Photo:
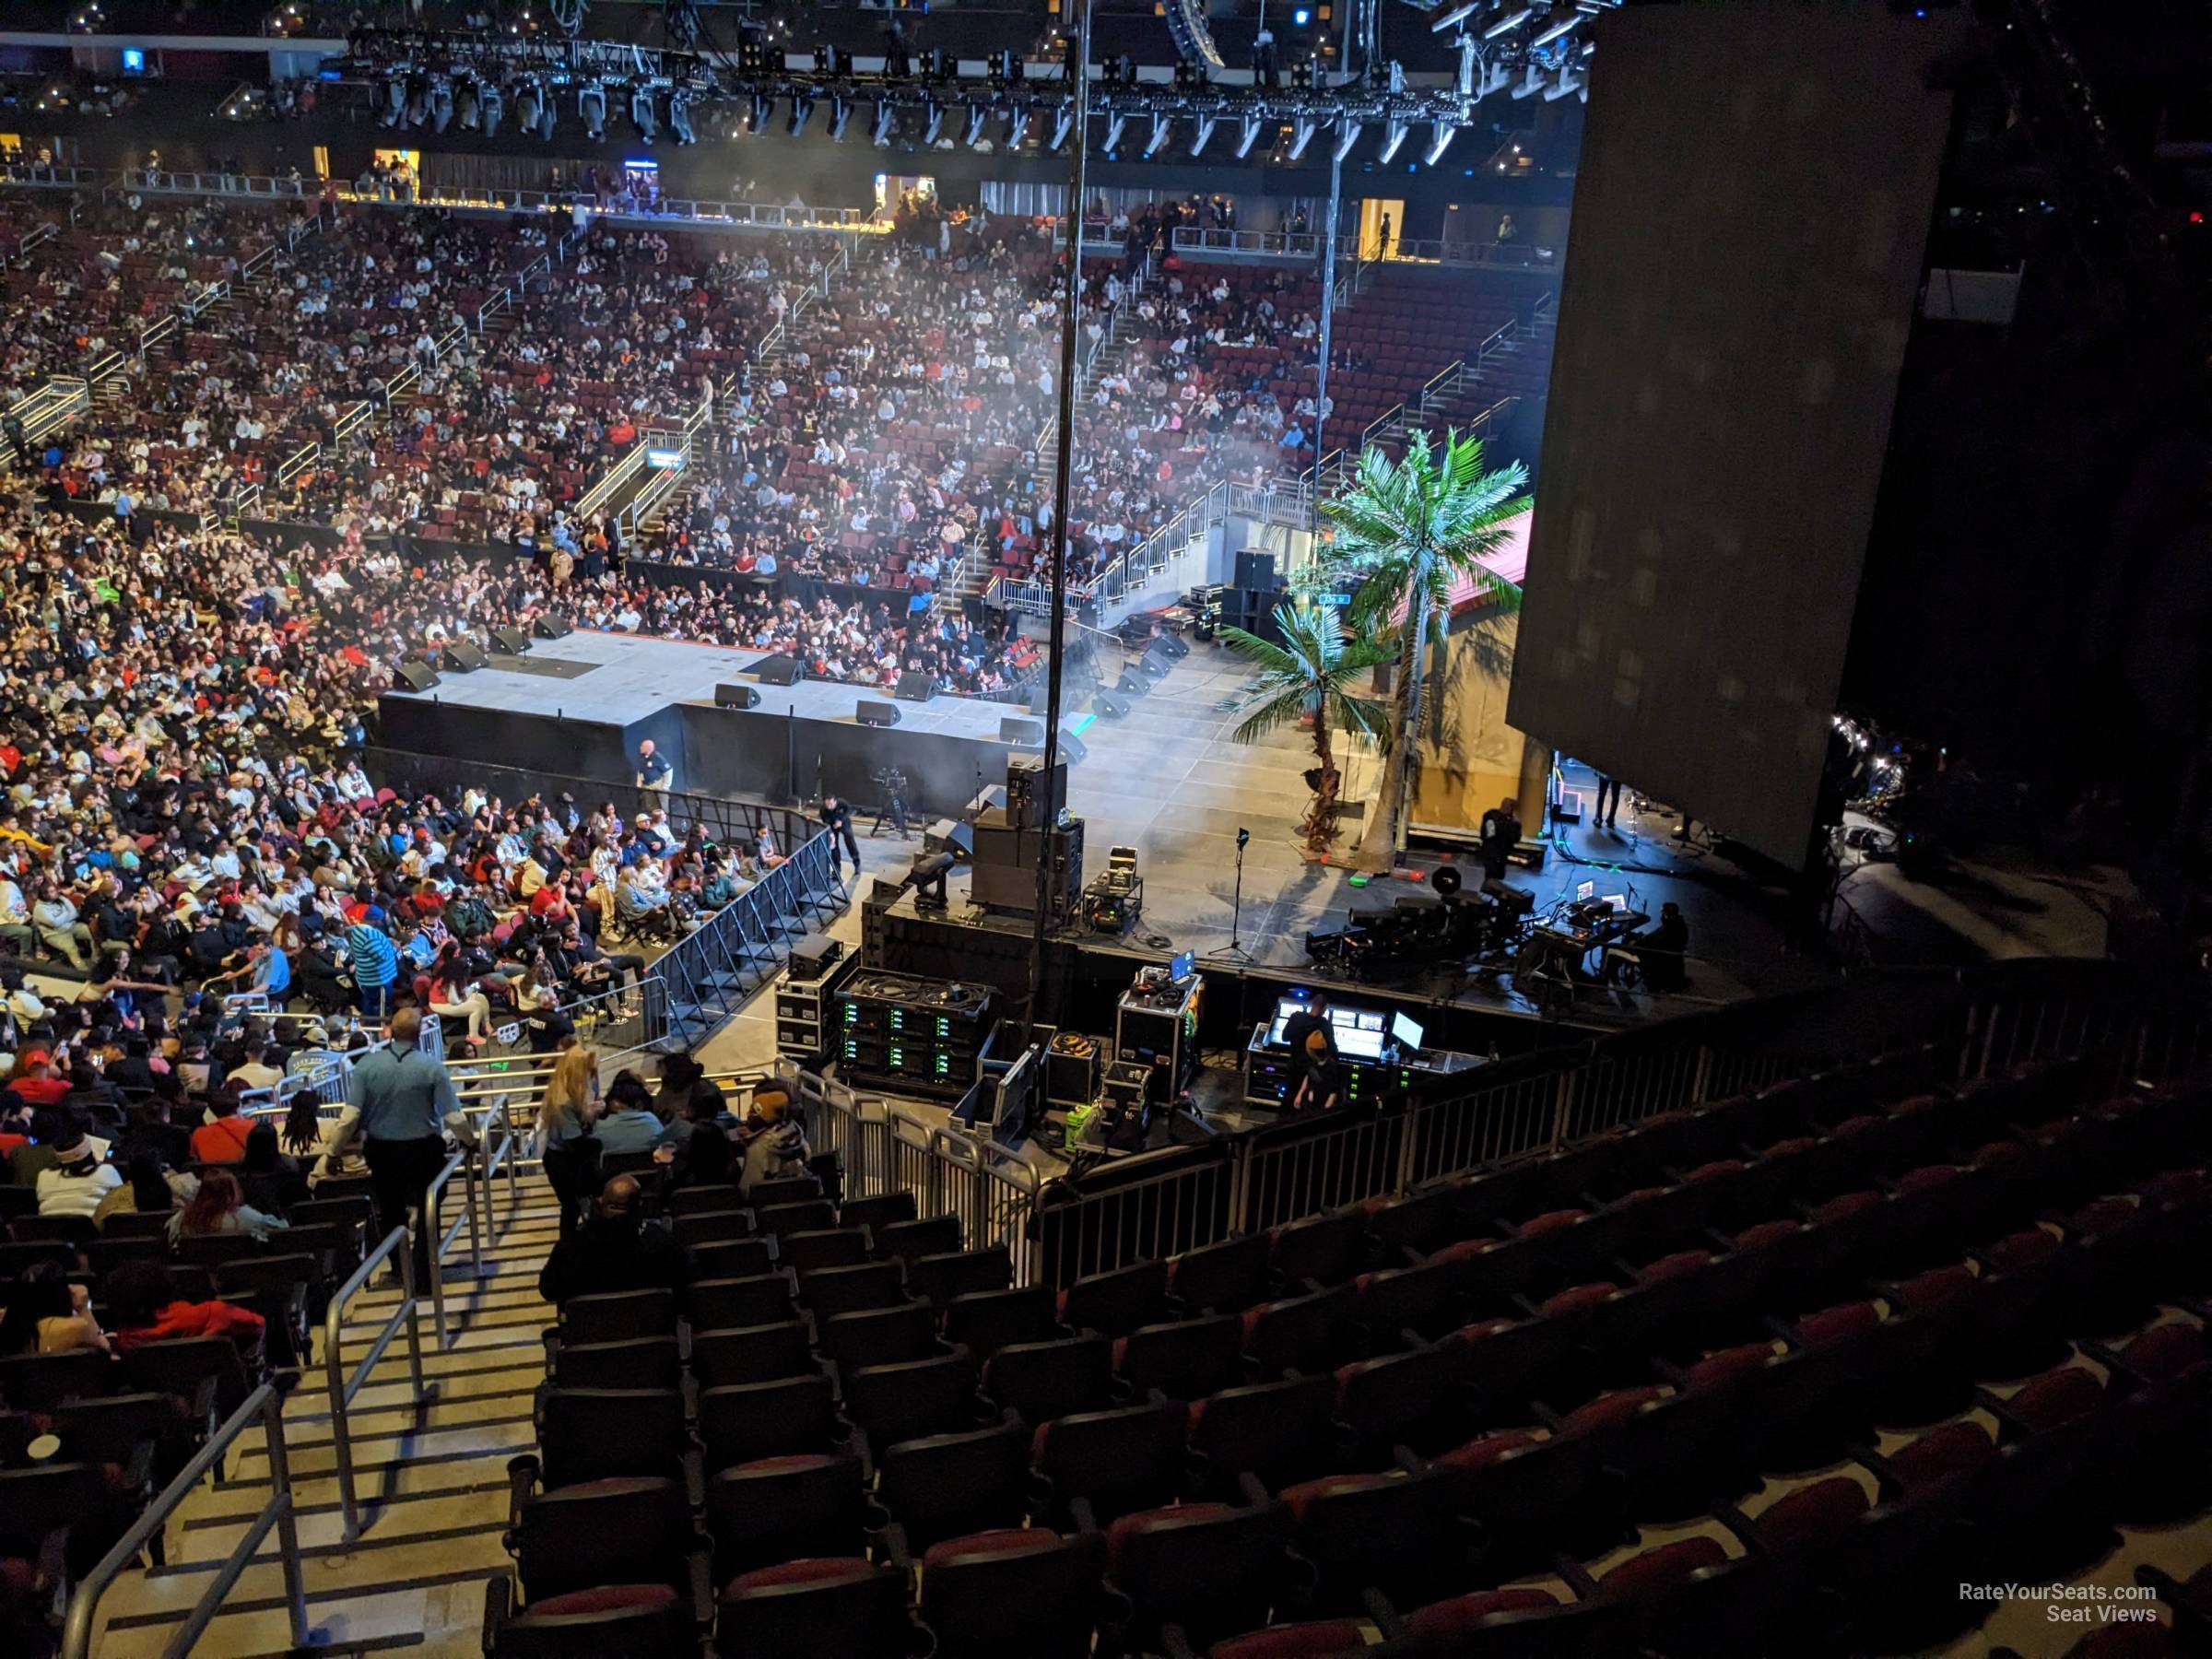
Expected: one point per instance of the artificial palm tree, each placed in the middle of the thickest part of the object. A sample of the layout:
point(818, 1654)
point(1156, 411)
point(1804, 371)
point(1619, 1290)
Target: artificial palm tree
point(1310, 675)
point(1407, 532)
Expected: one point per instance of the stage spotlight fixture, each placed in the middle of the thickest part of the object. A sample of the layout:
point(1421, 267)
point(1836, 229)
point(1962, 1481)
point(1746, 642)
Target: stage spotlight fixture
point(395, 100)
point(1393, 135)
point(469, 108)
point(1248, 134)
point(795, 122)
point(1507, 24)
point(491, 104)
point(1530, 84)
point(526, 99)
point(1440, 140)
point(880, 129)
point(933, 121)
point(1452, 18)
point(1555, 31)
point(1116, 125)
point(840, 111)
point(679, 118)
point(1163, 124)
point(1566, 86)
point(1348, 135)
point(1301, 134)
point(1301, 16)
point(1200, 138)
point(1018, 126)
point(591, 109)
point(763, 110)
point(974, 129)
point(1064, 128)
point(442, 106)
point(642, 115)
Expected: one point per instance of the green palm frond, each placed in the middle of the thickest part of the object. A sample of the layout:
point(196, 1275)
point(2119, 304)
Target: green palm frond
point(1311, 671)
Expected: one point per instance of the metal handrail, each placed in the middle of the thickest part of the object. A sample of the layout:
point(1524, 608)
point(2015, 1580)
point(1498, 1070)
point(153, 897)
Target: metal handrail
point(264, 1405)
point(1283, 244)
point(342, 1388)
point(430, 1218)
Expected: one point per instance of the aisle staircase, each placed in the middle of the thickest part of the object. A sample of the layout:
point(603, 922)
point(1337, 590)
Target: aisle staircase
point(431, 1478)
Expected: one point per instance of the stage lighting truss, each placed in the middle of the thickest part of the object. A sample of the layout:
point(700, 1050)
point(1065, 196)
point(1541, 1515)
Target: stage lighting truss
point(410, 72)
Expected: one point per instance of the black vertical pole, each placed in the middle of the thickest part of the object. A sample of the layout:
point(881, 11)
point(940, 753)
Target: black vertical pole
point(1063, 491)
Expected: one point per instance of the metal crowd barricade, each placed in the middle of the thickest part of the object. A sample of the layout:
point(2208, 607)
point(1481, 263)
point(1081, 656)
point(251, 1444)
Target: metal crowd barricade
point(263, 1406)
point(344, 1388)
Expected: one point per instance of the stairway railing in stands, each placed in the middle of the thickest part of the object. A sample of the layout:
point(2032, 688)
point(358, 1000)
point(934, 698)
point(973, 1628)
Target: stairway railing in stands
point(709, 971)
point(264, 1406)
point(343, 1385)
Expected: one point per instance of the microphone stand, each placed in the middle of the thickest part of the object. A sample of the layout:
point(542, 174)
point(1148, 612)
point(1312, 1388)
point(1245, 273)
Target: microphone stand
point(1235, 947)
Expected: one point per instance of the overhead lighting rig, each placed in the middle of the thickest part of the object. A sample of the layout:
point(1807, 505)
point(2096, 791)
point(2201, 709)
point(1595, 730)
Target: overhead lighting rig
point(531, 78)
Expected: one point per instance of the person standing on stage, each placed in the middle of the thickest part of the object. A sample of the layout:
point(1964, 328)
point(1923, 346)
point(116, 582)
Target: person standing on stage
point(837, 818)
point(653, 778)
point(403, 1096)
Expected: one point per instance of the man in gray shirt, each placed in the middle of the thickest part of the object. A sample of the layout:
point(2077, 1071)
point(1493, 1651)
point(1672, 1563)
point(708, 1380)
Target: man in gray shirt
point(403, 1096)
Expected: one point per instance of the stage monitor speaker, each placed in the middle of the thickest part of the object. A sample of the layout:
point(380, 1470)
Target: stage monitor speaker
point(1255, 569)
point(736, 696)
point(553, 627)
point(1175, 645)
point(1022, 733)
point(915, 687)
point(1156, 662)
point(415, 676)
point(513, 640)
point(872, 714)
point(946, 834)
point(1133, 683)
point(1112, 707)
point(1072, 748)
point(464, 656)
point(780, 671)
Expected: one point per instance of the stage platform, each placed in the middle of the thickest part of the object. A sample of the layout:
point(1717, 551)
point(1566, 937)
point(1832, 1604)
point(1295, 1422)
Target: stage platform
point(580, 705)
point(623, 678)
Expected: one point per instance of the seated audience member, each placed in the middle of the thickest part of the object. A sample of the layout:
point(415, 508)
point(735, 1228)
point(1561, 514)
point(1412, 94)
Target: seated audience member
point(224, 1140)
point(78, 1181)
point(219, 1206)
point(771, 1141)
point(44, 1314)
point(144, 1306)
point(612, 1251)
point(270, 1181)
point(150, 1187)
point(629, 1124)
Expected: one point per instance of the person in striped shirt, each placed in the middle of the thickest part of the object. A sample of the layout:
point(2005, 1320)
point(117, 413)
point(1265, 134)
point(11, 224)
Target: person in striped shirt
point(375, 963)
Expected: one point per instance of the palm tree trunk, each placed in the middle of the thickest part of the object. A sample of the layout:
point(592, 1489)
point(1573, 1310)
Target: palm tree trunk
point(1377, 848)
point(1320, 821)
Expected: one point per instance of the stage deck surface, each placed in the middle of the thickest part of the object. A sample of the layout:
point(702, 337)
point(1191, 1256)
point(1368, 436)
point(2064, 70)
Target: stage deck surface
point(622, 679)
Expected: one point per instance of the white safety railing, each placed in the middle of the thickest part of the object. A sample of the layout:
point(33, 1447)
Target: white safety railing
point(1493, 255)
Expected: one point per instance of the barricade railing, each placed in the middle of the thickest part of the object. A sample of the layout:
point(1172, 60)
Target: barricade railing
point(343, 1387)
point(1302, 245)
point(264, 1405)
point(882, 1148)
point(709, 971)
point(47, 176)
point(495, 1153)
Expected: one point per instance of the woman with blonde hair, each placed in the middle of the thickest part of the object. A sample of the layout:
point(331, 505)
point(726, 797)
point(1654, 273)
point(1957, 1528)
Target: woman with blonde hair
point(565, 1140)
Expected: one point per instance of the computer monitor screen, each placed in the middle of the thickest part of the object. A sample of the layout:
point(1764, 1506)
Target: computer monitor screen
point(1584, 889)
point(1286, 1007)
point(1617, 900)
point(1406, 1031)
point(1359, 1032)
point(1179, 968)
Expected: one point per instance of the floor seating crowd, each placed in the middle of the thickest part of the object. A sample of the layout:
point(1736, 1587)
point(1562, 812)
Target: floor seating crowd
point(1771, 1376)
